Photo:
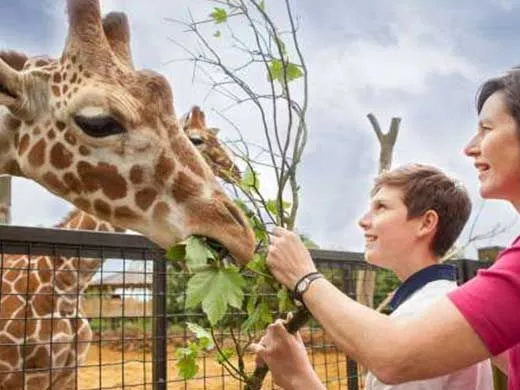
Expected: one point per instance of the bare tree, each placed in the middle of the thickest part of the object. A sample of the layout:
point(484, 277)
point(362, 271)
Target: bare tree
point(366, 279)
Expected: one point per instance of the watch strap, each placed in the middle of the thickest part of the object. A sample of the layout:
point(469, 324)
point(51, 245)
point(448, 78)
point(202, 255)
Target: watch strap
point(303, 285)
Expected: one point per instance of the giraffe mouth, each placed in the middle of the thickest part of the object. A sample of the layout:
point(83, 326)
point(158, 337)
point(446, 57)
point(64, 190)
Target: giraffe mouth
point(5, 91)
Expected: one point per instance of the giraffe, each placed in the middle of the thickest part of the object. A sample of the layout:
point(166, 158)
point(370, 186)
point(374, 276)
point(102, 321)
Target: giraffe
point(103, 136)
point(206, 140)
point(66, 279)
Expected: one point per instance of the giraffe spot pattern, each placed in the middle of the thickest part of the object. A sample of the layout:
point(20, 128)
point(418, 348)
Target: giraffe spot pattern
point(61, 157)
point(184, 188)
point(103, 176)
point(24, 144)
point(72, 182)
point(55, 183)
point(37, 154)
point(145, 198)
point(82, 204)
point(83, 150)
point(102, 208)
point(70, 138)
point(136, 174)
point(163, 169)
point(160, 210)
point(124, 213)
point(60, 125)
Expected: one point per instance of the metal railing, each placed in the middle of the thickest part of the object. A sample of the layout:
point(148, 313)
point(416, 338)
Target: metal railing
point(132, 346)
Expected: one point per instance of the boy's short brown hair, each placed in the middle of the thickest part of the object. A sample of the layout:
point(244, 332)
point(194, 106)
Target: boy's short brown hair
point(428, 188)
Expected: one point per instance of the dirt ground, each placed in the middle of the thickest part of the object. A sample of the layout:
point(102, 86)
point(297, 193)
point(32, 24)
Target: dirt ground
point(110, 369)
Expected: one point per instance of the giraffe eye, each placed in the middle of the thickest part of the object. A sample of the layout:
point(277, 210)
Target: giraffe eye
point(196, 140)
point(99, 126)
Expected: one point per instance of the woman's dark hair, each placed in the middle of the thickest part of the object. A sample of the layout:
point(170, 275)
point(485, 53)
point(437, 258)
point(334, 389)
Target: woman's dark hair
point(509, 84)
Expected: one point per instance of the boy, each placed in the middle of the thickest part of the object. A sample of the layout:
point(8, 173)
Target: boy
point(416, 213)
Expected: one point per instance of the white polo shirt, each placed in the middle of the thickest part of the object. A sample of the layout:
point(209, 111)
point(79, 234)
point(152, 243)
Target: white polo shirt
point(419, 298)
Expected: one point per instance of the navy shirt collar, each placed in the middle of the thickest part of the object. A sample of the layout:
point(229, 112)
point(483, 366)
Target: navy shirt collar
point(420, 279)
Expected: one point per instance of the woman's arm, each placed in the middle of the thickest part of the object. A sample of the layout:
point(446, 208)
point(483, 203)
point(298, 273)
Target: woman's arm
point(436, 343)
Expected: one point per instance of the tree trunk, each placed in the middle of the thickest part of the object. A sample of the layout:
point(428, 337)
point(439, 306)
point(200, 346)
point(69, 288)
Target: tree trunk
point(366, 280)
point(5, 200)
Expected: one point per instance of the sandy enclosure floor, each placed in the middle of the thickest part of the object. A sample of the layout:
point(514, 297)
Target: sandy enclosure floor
point(110, 369)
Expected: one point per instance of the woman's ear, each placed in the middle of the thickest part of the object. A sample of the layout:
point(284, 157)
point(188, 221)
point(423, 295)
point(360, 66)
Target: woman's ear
point(429, 223)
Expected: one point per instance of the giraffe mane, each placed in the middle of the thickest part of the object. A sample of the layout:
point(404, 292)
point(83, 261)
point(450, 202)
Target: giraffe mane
point(14, 59)
point(70, 215)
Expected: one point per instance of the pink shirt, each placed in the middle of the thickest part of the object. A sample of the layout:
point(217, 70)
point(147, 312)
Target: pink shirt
point(490, 302)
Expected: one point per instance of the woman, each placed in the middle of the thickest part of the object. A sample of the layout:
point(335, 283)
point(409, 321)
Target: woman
point(479, 320)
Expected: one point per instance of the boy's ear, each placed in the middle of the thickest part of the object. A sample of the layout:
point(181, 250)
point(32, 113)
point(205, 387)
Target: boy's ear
point(429, 223)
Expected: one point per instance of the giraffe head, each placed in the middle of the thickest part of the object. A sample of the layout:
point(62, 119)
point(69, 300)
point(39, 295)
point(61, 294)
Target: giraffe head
point(206, 140)
point(102, 135)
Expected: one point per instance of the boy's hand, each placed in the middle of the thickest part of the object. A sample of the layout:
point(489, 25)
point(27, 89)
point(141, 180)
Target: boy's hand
point(286, 357)
point(288, 259)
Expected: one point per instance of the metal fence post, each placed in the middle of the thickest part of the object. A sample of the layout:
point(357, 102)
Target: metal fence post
point(350, 290)
point(159, 325)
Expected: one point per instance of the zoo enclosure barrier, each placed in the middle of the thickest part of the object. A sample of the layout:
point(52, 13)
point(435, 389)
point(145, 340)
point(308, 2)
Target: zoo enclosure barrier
point(134, 305)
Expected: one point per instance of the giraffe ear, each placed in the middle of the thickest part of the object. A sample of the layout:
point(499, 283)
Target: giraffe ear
point(214, 130)
point(10, 85)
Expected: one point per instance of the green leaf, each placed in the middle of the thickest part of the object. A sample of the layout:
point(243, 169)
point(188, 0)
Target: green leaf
point(219, 15)
point(259, 319)
point(216, 289)
point(285, 302)
point(293, 72)
point(217, 34)
point(258, 264)
point(176, 252)
point(262, 5)
point(250, 180)
point(224, 355)
point(196, 252)
point(201, 334)
point(187, 362)
point(275, 70)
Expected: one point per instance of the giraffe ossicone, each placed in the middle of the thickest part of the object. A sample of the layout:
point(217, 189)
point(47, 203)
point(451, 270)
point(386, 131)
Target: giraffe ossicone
point(98, 133)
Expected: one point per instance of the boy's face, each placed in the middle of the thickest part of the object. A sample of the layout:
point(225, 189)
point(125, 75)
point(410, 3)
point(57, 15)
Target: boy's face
point(389, 235)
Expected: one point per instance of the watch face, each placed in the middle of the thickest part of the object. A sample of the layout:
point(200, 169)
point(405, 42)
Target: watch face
point(303, 286)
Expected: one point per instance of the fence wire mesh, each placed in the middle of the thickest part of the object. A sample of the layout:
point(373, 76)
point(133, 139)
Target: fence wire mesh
point(89, 310)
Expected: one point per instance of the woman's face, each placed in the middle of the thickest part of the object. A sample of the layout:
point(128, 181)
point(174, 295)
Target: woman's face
point(496, 151)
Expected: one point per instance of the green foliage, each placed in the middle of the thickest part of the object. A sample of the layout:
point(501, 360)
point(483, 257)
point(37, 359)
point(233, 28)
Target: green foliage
point(224, 355)
point(250, 180)
point(386, 282)
point(279, 72)
point(202, 335)
point(216, 289)
point(219, 15)
point(187, 361)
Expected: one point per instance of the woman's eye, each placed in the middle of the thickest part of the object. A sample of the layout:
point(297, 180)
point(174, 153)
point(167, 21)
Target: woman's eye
point(99, 126)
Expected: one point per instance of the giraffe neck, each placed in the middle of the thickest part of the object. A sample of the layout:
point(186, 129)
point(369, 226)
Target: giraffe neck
point(73, 274)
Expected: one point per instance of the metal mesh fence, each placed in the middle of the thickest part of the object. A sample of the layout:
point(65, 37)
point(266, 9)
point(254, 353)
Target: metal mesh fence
point(86, 310)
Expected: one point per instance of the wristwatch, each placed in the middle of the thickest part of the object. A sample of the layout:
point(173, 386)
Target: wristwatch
point(302, 286)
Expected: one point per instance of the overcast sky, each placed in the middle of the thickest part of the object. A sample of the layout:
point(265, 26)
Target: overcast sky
point(420, 60)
